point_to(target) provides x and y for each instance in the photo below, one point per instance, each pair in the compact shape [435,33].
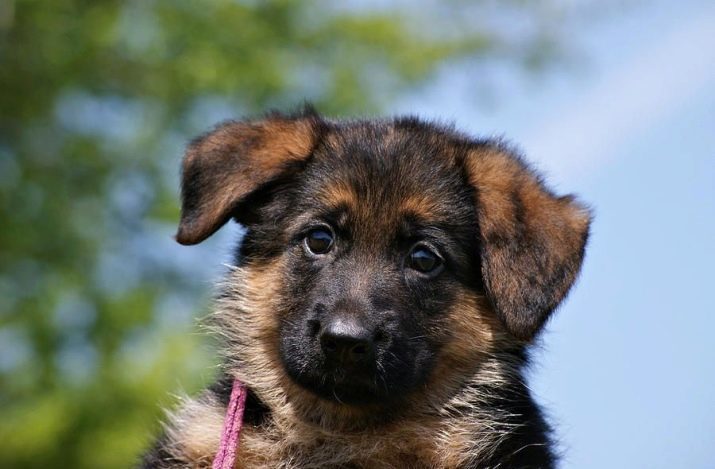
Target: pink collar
[226,455]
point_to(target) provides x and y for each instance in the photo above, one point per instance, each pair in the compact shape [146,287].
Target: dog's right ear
[224,167]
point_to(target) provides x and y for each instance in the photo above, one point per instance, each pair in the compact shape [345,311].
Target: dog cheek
[469,333]
[298,351]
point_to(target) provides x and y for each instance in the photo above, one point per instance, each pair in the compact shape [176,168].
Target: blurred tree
[96,100]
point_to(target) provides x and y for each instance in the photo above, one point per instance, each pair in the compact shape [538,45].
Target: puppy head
[380,256]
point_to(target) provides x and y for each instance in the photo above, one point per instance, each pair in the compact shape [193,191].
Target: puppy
[391,278]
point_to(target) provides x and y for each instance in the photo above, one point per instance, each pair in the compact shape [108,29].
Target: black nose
[346,341]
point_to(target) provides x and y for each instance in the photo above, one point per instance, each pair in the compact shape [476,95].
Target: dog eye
[422,259]
[319,241]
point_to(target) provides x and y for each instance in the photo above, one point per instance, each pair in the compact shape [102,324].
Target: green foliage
[96,101]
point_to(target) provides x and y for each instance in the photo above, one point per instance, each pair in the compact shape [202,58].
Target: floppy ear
[224,167]
[532,242]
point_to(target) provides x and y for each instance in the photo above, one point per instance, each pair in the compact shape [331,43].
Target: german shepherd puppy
[391,279]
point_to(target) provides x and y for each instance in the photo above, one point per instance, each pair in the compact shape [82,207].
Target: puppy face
[378,240]
[399,252]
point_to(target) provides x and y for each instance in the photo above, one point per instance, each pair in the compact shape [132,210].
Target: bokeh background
[614,100]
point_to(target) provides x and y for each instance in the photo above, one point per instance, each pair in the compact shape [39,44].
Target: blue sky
[627,365]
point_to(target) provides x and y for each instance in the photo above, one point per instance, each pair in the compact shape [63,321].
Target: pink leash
[226,455]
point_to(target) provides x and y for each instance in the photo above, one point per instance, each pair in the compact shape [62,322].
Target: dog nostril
[346,342]
[346,350]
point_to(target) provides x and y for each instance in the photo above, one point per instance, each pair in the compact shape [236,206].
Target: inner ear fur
[226,166]
[532,242]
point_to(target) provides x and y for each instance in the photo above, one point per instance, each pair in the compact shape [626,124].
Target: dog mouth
[346,385]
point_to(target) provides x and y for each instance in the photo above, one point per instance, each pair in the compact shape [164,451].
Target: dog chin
[340,388]
[349,394]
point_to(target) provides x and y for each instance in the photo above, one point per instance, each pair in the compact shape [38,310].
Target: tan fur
[498,178]
[339,194]
[236,158]
[518,219]
[423,207]
[306,431]
[195,430]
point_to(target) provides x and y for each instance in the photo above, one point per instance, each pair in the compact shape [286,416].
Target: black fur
[381,190]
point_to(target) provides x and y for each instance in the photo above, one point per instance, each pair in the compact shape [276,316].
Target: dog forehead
[381,173]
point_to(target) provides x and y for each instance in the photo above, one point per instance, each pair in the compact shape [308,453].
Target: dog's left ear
[532,242]
[223,168]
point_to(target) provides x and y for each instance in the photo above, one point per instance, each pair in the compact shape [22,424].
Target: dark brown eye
[319,241]
[424,260]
